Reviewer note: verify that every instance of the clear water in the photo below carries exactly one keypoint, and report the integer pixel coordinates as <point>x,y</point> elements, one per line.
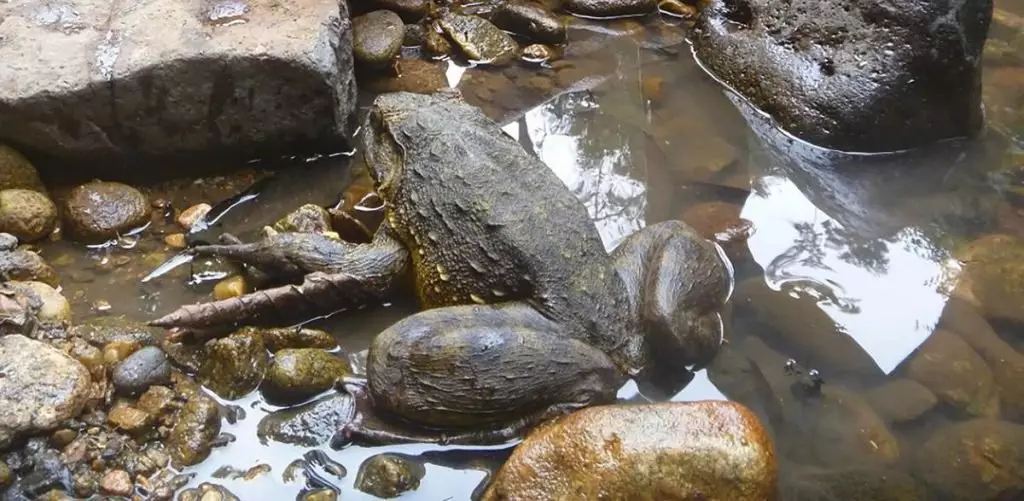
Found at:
<point>640,134</point>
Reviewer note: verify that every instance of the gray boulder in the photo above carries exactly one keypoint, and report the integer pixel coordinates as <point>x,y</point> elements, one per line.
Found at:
<point>40,387</point>
<point>852,75</point>
<point>103,83</point>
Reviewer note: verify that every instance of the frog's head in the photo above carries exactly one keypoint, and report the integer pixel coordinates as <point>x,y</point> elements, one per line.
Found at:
<point>386,130</point>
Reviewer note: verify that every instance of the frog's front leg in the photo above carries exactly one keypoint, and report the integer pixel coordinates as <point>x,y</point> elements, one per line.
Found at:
<point>474,375</point>
<point>337,275</point>
<point>677,283</point>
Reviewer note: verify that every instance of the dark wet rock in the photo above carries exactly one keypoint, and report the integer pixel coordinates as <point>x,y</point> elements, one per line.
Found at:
<point>196,428</point>
<point>49,472</point>
<point>1006,363</point>
<point>611,8</point>
<point>235,365</point>
<point>848,483</point>
<point>309,218</point>
<point>225,77</point>
<point>277,339</point>
<point>377,37</point>
<point>479,40</point>
<point>901,400</point>
<point>530,19</point>
<point>389,475</point>
<point>415,35</point>
<point>27,214</point>
<point>854,76</point>
<point>40,387</point>
<point>993,276</point>
<point>717,450</point>
<point>142,369</point>
<point>101,331</point>
<point>805,331</point>
<point>297,374</point>
<point>207,492</point>
<point>955,373</point>
<point>20,264</point>
<point>414,75</point>
<point>189,356</point>
<point>17,172</point>
<point>320,495</point>
<point>98,211</point>
<point>978,460</point>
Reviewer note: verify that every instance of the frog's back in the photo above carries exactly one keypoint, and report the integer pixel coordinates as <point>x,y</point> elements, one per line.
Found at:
<point>490,221</point>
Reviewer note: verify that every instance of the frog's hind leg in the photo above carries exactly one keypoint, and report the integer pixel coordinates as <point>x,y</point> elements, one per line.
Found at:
<point>366,428</point>
<point>340,275</point>
<point>677,282</point>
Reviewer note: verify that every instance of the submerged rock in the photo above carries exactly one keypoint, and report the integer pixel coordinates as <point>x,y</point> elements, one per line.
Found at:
<point>901,400</point>
<point>851,75</point>
<point>849,483</point>
<point>993,276</point>
<point>955,373</point>
<point>389,475</point>
<point>27,214</point>
<point>308,425</point>
<point>40,387</point>
<point>414,75</point>
<point>377,37</point>
<point>98,211</point>
<point>101,331</point>
<point>480,41</point>
<point>218,77</point>
<point>978,460</point>
<point>708,450</point>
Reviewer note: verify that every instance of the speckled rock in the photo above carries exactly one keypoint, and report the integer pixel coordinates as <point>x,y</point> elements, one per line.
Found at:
<point>27,214</point>
<point>222,77</point>
<point>377,37</point>
<point>98,211</point>
<point>711,450</point>
<point>297,374</point>
<point>41,387</point>
<point>530,18</point>
<point>481,41</point>
<point>142,369</point>
<point>235,365</point>
<point>389,475</point>
<point>20,264</point>
<point>853,75</point>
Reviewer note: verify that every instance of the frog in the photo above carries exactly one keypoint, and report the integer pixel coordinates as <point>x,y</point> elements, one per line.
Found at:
<point>524,314</point>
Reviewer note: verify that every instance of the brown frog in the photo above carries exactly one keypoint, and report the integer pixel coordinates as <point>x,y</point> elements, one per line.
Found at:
<point>525,314</point>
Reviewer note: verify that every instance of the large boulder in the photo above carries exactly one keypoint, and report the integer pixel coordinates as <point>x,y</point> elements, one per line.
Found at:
<point>874,75</point>
<point>100,82</point>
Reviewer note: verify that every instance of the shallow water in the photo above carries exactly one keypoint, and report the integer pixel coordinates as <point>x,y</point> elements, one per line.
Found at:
<point>640,134</point>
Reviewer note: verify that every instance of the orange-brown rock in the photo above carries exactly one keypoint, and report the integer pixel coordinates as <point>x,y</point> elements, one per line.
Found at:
<point>709,450</point>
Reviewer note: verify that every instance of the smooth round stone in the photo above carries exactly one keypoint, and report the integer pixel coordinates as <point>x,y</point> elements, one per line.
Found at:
<point>142,369</point>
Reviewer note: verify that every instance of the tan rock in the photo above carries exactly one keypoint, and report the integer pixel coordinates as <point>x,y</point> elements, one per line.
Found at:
<point>116,483</point>
<point>712,450</point>
<point>955,373</point>
<point>189,216</point>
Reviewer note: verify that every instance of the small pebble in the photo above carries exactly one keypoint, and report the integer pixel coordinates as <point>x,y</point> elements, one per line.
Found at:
<point>176,240</point>
<point>116,483</point>
<point>189,216</point>
<point>100,305</point>
<point>129,419</point>
<point>116,351</point>
<point>156,400</point>
<point>233,286</point>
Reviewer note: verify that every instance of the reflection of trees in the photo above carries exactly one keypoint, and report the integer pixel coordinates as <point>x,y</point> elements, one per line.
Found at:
<point>603,157</point>
<point>870,254</point>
